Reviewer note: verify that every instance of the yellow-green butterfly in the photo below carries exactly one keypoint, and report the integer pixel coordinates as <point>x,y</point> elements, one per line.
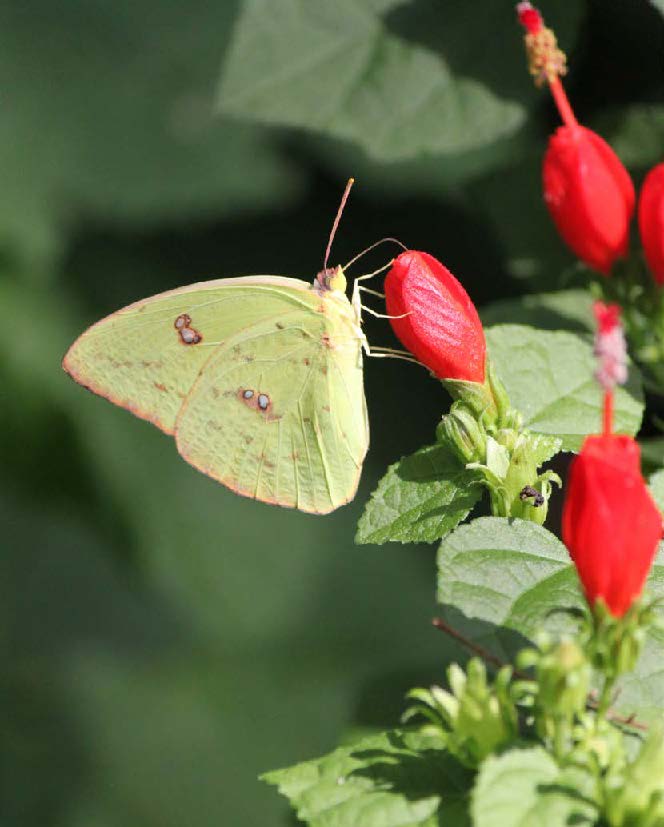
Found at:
<point>259,379</point>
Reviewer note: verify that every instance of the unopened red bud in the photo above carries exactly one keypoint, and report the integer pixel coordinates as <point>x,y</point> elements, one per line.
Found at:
<point>651,221</point>
<point>611,525</point>
<point>434,318</point>
<point>589,194</point>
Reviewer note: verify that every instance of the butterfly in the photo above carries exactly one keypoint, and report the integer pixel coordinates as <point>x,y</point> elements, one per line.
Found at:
<point>259,379</point>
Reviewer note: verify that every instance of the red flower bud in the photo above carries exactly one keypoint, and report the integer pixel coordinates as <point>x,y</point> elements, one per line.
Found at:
<point>434,317</point>
<point>611,525</point>
<point>589,194</point>
<point>651,221</point>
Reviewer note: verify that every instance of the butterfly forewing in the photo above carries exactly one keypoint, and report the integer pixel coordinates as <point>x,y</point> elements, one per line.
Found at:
<point>147,356</point>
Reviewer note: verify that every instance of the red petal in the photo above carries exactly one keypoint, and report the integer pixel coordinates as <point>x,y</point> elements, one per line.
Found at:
<point>440,325</point>
<point>589,194</point>
<point>611,525</point>
<point>651,221</point>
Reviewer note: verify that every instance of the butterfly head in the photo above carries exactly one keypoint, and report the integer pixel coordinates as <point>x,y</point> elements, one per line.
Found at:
<point>331,279</point>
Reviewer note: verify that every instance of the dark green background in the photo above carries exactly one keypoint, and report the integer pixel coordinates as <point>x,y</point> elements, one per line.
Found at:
<point>163,641</point>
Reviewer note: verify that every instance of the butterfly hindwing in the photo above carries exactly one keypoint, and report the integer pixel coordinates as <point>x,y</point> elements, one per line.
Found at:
<point>278,413</point>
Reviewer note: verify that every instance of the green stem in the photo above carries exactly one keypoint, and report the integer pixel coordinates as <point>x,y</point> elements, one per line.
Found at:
<point>605,698</point>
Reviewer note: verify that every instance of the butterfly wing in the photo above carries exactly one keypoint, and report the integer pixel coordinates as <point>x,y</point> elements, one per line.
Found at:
<point>279,414</point>
<point>138,359</point>
<point>179,360</point>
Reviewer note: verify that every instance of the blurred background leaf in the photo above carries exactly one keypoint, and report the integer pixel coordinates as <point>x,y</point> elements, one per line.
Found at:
<point>163,641</point>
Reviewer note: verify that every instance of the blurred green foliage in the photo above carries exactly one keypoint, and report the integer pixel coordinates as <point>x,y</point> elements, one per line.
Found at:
<point>164,642</point>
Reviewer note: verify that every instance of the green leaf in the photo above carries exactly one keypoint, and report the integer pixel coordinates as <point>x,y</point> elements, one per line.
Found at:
<point>635,132</point>
<point>420,499</point>
<point>564,310</point>
<point>396,779</point>
<point>505,572</point>
<point>524,787</point>
<point>549,378</point>
<point>503,580</point>
<point>656,485</point>
<point>652,452</point>
<point>339,68</point>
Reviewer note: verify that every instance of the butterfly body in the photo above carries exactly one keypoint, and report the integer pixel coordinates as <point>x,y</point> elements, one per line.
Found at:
<point>259,379</point>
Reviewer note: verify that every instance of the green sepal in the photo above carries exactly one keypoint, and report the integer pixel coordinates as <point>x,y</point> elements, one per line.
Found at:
<point>614,644</point>
<point>463,433</point>
<point>487,400</point>
<point>559,691</point>
<point>475,718</point>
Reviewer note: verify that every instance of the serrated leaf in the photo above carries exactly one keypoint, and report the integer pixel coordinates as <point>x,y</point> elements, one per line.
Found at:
<point>505,572</point>
<point>656,486</point>
<point>542,447</point>
<point>549,377</point>
<point>524,787</point>
<point>505,580</point>
<point>564,310</point>
<point>339,68</point>
<point>420,499</point>
<point>396,779</point>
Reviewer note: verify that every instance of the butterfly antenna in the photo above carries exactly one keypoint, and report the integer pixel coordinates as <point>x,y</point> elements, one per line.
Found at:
<point>344,198</point>
<point>372,247</point>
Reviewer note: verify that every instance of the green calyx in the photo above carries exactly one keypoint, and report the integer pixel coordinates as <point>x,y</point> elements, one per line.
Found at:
<point>487,435</point>
<point>614,644</point>
<point>559,692</point>
<point>476,718</point>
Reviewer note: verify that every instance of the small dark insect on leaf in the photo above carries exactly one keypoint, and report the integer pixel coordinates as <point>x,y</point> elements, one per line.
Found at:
<point>528,491</point>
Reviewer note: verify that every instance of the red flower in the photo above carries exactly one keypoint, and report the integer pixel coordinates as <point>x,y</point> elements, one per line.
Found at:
<point>589,194</point>
<point>611,525</point>
<point>438,322</point>
<point>651,221</point>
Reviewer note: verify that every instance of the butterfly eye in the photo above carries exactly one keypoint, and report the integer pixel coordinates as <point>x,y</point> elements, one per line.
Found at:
<point>263,401</point>
<point>247,394</point>
<point>183,320</point>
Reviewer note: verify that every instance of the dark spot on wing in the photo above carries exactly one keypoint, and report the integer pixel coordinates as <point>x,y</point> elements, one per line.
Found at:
<point>279,325</point>
<point>326,408</point>
<point>189,336</point>
<point>159,386</point>
<point>256,400</point>
<point>307,361</point>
